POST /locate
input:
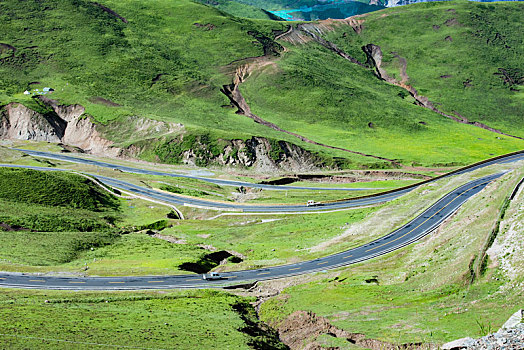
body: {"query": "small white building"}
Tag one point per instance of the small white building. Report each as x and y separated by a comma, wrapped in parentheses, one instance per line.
(27, 93)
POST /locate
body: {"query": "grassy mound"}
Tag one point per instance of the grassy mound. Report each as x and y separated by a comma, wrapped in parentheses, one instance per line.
(49, 218)
(53, 189)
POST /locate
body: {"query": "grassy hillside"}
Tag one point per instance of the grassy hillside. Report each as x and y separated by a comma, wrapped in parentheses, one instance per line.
(53, 189)
(240, 9)
(464, 56)
(162, 59)
(49, 218)
(168, 60)
(447, 286)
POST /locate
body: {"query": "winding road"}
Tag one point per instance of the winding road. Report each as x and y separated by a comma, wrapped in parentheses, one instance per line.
(175, 199)
(127, 169)
(417, 228)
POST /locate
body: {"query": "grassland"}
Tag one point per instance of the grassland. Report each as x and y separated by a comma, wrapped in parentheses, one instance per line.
(309, 80)
(159, 320)
(53, 189)
(455, 52)
(241, 9)
(442, 288)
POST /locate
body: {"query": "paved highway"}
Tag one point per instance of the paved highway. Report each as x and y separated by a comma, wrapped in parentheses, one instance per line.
(409, 233)
(67, 158)
(177, 200)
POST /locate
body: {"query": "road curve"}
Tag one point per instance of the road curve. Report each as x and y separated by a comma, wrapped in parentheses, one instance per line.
(417, 228)
(175, 199)
(180, 200)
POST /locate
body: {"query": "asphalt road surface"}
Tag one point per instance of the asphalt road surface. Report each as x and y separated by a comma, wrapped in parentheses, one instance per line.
(127, 169)
(67, 158)
(409, 233)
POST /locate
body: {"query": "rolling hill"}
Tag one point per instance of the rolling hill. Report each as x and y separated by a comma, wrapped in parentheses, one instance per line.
(205, 75)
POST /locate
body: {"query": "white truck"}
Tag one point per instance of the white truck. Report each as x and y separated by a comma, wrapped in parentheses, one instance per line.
(312, 203)
(212, 276)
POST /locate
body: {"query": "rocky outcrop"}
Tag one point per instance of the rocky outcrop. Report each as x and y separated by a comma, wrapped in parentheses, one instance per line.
(258, 153)
(69, 125)
(509, 337)
(80, 131)
(263, 155)
(516, 320)
(61, 123)
(21, 123)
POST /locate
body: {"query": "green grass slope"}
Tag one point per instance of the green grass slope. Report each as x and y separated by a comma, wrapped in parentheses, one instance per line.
(464, 56)
(447, 286)
(161, 59)
(49, 218)
(240, 9)
(53, 189)
(325, 98)
(169, 59)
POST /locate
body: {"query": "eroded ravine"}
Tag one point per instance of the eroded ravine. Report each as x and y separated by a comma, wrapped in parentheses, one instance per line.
(232, 91)
(313, 31)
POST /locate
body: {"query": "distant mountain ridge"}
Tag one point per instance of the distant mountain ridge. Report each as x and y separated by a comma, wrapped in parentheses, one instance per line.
(310, 10)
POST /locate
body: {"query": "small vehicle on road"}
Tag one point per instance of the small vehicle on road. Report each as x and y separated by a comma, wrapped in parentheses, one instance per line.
(312, 203)
(212, 276)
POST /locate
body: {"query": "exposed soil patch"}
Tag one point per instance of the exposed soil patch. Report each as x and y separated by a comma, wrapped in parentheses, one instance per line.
(403, 65)
(356, 176)
(111, 12)
(7, 227)
(436, 27)
(264, 337)
(103, 101)
(452, 22)
(304, 327)
(6, 51)
(157, 78)
(207, 26)
(169, 239)
(510, 76)
(446, 76)
(448, 38)
(467, 83)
